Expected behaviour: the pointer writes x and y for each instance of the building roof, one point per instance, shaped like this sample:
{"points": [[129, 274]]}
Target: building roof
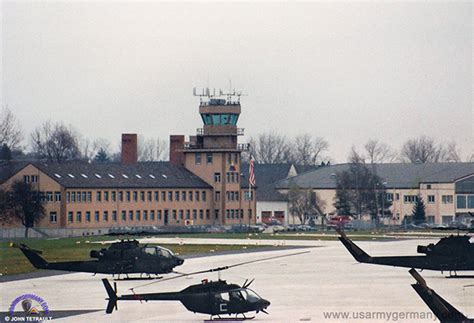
{"points": [[8, 169], [116, 175], [397, 175], [265, 176]]}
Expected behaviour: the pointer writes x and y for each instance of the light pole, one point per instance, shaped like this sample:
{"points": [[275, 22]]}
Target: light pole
{"points": [[383, 200]]}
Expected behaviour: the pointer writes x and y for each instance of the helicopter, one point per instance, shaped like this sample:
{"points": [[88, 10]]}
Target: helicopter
{"points": [[444, 311], [123, 257], [214, 298], [451, 253]]}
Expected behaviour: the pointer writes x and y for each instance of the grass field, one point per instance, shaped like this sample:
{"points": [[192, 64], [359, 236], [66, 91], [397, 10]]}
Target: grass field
{"points": [[69, 249]]}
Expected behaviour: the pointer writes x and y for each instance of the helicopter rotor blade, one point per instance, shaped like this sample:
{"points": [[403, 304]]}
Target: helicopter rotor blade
{"points": [[218, 269], [264, 311]]}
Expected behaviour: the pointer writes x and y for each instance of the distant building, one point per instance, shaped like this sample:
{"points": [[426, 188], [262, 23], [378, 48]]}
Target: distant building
{"points": [[202, 184], [446, 188]]}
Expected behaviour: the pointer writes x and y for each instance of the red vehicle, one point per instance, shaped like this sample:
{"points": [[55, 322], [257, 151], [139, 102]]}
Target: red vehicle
{"points": [[339, 221]]}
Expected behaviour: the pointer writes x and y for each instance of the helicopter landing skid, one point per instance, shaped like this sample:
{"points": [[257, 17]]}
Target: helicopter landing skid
{"points": [[230, 319], [460, 276], [137, 278]]}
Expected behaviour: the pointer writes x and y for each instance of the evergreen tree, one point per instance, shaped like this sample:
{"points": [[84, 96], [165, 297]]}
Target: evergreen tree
{"points": [[101, 156], [5, 153], [418, 213]]}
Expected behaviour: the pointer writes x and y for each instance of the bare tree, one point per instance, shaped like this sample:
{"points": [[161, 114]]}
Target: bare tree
{"points": [[452, 153], [270, 148], [151, 149], [304, 204], [56, 142], [423, 150], [307, 150], [378, 152], [11, 133]]}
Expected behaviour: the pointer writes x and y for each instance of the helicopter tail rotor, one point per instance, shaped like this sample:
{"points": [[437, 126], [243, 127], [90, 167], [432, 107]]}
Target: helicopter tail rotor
{"points": [[112, 293]]}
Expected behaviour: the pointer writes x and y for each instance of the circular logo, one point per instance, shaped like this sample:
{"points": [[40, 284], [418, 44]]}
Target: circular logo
{"points": [[30, 304]]}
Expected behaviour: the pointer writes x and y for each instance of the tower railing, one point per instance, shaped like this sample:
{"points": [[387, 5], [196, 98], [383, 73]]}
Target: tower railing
{"points": [[239, 132]]}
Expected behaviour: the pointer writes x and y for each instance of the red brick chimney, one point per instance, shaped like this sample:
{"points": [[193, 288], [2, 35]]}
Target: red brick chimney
{"points": [[176, 150], [129, 148]]}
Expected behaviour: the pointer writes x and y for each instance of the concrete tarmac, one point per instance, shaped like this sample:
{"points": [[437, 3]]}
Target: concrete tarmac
{"points": [[325, 285]]}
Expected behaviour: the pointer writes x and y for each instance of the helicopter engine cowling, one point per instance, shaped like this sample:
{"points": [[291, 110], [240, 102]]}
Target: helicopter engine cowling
{"points": [[425, 249]]}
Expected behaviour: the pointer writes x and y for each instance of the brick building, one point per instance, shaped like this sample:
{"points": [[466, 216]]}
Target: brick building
{"points": [[202, 184]]}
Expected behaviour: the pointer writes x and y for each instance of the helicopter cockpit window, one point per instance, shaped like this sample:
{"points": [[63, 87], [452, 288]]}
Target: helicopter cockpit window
{"points": [[164, 253], [150, 250], [236, 295], [250, 295], [224, 296]]}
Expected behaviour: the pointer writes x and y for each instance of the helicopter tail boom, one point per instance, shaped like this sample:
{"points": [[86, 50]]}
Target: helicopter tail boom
{"points": [[359, 254], [33, 255]]}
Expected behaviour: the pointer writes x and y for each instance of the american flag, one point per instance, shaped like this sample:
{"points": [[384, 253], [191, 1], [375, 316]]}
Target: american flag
{"points": [[251, 173]]}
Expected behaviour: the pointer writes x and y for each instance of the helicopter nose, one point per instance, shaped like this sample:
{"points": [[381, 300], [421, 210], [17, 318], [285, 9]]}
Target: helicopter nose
{"points": [[179, 261], [265, 303]]}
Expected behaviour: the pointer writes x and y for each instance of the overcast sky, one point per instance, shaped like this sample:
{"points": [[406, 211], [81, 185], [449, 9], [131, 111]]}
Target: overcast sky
{"points": [[346, 72]]}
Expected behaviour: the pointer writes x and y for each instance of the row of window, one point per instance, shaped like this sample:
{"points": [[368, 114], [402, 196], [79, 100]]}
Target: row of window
{"points": [[445, 199], [232, 158], [137, 215], [231, 177], [235, 213], [30, 178], [128, 196]]}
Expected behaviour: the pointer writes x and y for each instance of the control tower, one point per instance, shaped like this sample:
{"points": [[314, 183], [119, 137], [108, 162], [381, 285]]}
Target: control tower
{"points": [[214, 154]]}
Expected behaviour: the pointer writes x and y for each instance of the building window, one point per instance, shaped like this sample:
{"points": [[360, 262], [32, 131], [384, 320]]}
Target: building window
{"points": [[106, 216], [170, 196], [124, 216], [98, 196], [197, 158], [135, 196], [34, 178], [431, 198], [78, 216], [156, 196], [142, 196], [208, 212], [217, 196], [461, 201], [181, 214], [183, 195], [96, 216], [201, 214], [194, 214], [229, 158], [227, 177], [26, 178], [430, 219], [236, 158], [176, 195], [428, 186], [130, 215], [227, 214], [79, 198], [57, 196], [397, 196], [152, 215], [145, 215], [209, 158], [470, 201], [88, 216], [84, 197], [49, 196], [73, 197], [389, 196], [68, 197], [114, 216], [127, 196], [447, 199], [217, 177], [174, 214], [159, 214], [138, 215], [446, 219], [197, 195], [188, 214], [203, 196], [106, 196], [89, 196], [191, 196], [216, 214], [120, 196], [410, 198], [163, 196], [113, 196], [148, 194], [70, 216]]}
